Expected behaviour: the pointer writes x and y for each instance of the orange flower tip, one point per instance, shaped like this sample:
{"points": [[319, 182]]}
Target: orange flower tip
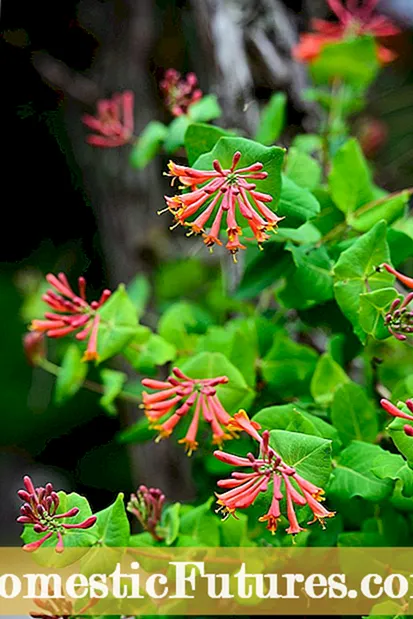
{"points": [[190, 446], [90, 355], [162, 433]]}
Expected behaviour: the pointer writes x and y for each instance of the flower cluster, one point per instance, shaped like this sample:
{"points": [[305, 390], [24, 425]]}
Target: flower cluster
{"points": [[71, 312], [147, 505], [396, 412], [180, 92], [114, 122], [40, 510], [354, 21], [399, 320], [59, 608], [218, 193], [197, 394], [268, 468]]}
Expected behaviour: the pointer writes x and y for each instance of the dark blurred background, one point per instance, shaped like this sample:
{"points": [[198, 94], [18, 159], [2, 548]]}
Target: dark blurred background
{"points": [[70, 207]]}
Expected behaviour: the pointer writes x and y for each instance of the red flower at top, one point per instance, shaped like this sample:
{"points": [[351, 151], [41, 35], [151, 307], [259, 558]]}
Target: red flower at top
{"points": [[114, 122], [71, 313], [223, 192], [267, 469], [354, 20], [180, 92]]}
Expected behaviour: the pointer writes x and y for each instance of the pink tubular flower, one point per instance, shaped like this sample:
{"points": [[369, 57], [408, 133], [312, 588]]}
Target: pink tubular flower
{"points": [[396, 412], [407, 281], [147, 505], [222, 194], [187, 393], [34, 347], [114, 122], [71, 312], [267, 469], [180, 92], [399, 320], [40, 510], [354, 20]]}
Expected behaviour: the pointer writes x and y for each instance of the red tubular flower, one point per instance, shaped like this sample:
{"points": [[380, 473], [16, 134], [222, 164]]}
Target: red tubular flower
{"points": [[354, 21], [180, 92], [147, 505], [199, 394], [267, 469], [34, 347], [222, 193], [71, 313], [40, 510], [407, 281], [396, 412], [114, 122]]}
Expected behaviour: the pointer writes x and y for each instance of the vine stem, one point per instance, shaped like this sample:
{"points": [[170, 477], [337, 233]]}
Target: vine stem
{"points": [[55, 370]]}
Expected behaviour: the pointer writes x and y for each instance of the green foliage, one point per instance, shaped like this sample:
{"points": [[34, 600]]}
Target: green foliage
{"points": [[119, 324], [272, 120], [71, 375], [112, 382], [112, 524], [148, 144], [353, 415]]}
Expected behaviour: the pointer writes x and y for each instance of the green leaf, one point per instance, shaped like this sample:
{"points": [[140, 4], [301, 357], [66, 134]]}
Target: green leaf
{"points": [[390, 209], [113, 382], [297, 204], [148, 144], [304, 235], [139, 291], [154, 351], [309, 143], [289, 417], [327, 378], [179, 324], [272, 121], [403, 442], [234, 532], [176, 134], [354, 61], [119, 324], [400, 245], [170, 522], [288, 366], [373, 306], [311, 282], [236, 393], [394, 467], [200, 139], [205, 109], [139, 432], [309, 455], [355, 273], [304, 170], [113, 525], [264, 270], [252, 152], [202, 525], [350, 180], [353, 476], [71, 375], [353, 414]]}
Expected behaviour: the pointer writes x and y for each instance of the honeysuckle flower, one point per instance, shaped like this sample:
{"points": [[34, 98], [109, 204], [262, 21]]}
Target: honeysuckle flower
{"points": [[147, 505], [267, 470], [396, 412], [222, 194], [59, 608], [398, 319], [407, 281], [114, 122], [354, 20], [34, 347], [176, 397], [180, 92], [40, 510], [71, 313]]}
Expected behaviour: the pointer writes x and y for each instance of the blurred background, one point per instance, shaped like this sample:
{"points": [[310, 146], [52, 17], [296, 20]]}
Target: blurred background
{"points": [[70, 207]]}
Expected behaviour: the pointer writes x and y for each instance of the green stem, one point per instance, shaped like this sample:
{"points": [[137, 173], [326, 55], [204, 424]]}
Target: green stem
{"points": [[52, 368]]}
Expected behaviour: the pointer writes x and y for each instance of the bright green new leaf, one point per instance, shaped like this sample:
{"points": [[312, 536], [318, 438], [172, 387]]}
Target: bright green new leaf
{"points": [[327, 378], [113, 382], [145, 356], [139, 291], [176, 133], [170, 522], [350, 180], [118, 324], [288, 366], [272, 120], [356, 273], [297, 204], [180, 324], [201, 138], [303, 169], [393, 466], [353, 475], [71, 375], [353, 414], [148, 144], [113, 524], [204, 110], [202, 525], [373, 306], [403, 442], [389, 209]]}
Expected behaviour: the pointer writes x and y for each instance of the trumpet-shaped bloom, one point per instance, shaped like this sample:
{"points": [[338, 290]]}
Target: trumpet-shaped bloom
{"points": [[264, 472], [354, 20], [147, 505], [113, 123], [71, 313], [40, 510], [396, 412], [222, 196], [399, 319], [180, 92], [178, 397]]}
